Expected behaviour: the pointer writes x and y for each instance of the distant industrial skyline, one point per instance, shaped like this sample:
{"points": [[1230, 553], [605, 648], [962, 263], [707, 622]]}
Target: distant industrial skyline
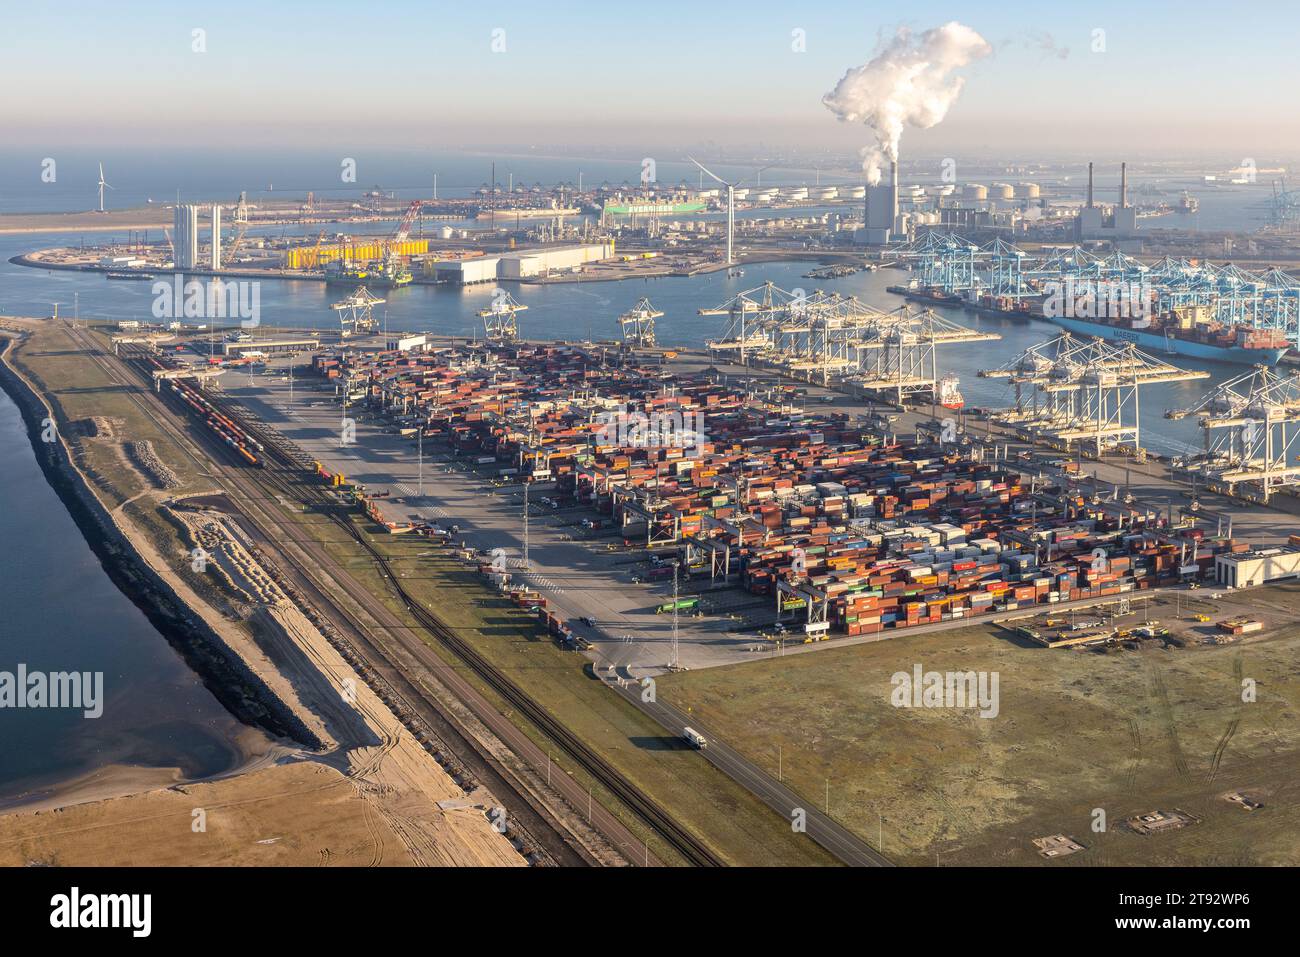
{"points": [[407, 75]]}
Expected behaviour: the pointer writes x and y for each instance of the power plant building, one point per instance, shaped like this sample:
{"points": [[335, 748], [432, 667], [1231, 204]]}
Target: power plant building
{"points": [[186, 230], [881, 211], [1094, 222]]}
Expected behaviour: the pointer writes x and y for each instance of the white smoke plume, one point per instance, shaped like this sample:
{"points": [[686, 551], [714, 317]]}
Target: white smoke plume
{"points": [[908, 83]]}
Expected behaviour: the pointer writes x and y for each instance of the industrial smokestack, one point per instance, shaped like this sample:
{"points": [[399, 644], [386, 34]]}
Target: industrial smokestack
{"points": [[1123, 185], [1090, 186], [893, 192]]}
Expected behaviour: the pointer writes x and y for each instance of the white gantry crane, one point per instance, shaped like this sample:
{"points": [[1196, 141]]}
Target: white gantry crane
{"points": [[638, 324], [499, 319], [1082, 391], [356, 312], [829, 336], [1251, 425], [751, 315]]}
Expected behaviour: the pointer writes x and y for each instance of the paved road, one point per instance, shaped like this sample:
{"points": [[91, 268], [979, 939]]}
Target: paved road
{"points": [[831, 835]]}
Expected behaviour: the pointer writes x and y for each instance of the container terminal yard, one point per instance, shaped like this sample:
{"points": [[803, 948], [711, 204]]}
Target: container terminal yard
{"points": [[656, 512], [510, 467], [774, 520], [675, 466], [809, 480]]}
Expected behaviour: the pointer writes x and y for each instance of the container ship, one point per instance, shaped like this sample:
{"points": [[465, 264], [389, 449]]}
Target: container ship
{"points": [[653, 207], [526, 212], [1182, 334], [1188, 331], [986, 304]]}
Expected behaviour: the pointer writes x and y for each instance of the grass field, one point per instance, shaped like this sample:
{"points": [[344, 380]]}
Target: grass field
{"points": [[1127, 732], [732, 821]]}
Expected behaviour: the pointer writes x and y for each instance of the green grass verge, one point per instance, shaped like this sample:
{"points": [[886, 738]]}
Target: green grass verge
{"points": [[1126, 732]]}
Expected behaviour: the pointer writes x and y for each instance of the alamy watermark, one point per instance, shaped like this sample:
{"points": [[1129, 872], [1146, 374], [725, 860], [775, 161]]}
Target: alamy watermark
{"points": [[215, 299], [676, 429], [54, 689], [1097, 299], [947, 689], [75, 909]]}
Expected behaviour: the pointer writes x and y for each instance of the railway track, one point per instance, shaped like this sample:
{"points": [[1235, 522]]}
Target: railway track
{"points": [[375, 661], [284, 467], [280, 455]]}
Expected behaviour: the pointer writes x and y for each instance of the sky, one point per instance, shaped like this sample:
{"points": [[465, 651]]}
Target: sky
{"points": [[1189, 77]]}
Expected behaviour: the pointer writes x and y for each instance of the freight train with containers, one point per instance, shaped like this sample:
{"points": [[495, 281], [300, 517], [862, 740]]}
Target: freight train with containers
{"points": [[243, 445]]}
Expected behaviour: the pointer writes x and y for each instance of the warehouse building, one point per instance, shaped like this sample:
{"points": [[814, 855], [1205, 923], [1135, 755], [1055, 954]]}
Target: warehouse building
{"points": [[1243, 569], [412, 343], [466, 272], [521, 265]]}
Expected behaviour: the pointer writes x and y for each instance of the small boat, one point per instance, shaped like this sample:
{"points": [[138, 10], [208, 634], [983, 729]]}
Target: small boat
{"points": [[950, 396], [735, 272], [136, 276]]}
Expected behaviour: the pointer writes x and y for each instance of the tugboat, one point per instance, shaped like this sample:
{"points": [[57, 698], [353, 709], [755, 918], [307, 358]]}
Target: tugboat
{"points": [[950, 396]]}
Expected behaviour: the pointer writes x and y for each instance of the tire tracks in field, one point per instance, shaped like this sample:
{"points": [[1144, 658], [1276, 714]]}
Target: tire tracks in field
{"points": [[1161, 693], [1135, 734], [1221, 748]]}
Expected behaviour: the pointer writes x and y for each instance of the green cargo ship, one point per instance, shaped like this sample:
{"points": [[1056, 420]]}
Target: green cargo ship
{"points": [[655, 207]]}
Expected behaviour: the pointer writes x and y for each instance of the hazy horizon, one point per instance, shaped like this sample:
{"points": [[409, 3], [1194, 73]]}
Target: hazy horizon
{"points": [[408, 76]]}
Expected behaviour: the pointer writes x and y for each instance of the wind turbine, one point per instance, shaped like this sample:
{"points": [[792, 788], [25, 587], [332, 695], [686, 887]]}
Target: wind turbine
{"points": [[731, 204], [102, 184]]}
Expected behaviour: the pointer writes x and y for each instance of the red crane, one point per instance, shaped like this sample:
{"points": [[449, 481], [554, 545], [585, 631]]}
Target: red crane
{"points": [[404, 226]]}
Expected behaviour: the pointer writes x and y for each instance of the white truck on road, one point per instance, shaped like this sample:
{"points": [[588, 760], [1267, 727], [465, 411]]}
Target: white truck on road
{"points": [[696, 739]]}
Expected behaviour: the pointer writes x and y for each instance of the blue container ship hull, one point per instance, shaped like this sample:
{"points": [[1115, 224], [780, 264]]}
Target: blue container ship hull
{"points": [[1153, 342]]}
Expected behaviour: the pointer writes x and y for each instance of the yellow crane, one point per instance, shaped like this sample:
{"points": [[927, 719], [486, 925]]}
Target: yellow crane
{"points": [[313, 260]]}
